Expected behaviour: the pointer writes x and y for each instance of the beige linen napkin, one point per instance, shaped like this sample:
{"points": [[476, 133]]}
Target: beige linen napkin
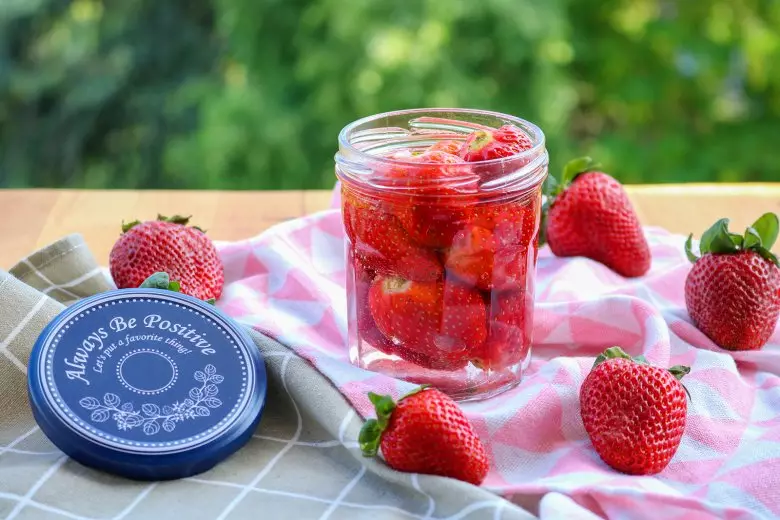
{"points": [[302, 463]]}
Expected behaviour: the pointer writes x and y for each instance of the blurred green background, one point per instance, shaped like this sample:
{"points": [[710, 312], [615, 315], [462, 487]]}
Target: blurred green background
{"points": [[250, 94]]}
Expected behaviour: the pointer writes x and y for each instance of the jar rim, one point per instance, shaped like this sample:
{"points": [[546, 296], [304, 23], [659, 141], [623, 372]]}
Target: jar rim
{"points": [[498, 177], [535, 134]]}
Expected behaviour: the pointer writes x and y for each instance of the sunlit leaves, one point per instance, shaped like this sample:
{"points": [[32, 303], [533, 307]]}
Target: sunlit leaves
{"points": [[248, 94]]}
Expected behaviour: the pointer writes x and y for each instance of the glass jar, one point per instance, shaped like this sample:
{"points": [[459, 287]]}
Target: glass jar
{"points": [[441, 253]]}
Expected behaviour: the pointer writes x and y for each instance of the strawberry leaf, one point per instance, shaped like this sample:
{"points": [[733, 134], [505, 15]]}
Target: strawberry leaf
{"points": [[689, 249], [162, 281], [211, 301], [130, 225], [766, 253], [737, 240], [718, 227], [371, 431], [384, 406], [176, 219], [718, 240], [369, 437], [723, 244], [767, 228], [751, 239], [611, 353], [158, 281], [680, 371], [575, 167]]}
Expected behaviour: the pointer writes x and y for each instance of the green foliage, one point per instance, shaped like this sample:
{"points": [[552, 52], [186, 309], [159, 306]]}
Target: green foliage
{"points": [[251, 94]]}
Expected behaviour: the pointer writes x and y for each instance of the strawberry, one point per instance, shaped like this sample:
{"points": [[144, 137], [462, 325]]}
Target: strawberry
{"points": [[476, 258], [377, 340], [439, 320], [448, 146], [633, 412], [733, 291], [167, 245], [425, 432], [509, 322], [437, 205], [514, 222], [358, 285], [484, 145], [381, 244], [590, 215], [369, 333]]}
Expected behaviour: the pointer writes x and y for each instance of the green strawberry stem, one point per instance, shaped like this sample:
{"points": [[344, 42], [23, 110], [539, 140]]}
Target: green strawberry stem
{"points": [[678, 371], [616, 353], [130, 225], [176, 219], [371, 433], [163, 281], [481, 139], [553, 187], [718, 240]]}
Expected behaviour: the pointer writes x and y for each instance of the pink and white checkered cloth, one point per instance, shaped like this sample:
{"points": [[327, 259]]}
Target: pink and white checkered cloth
{"points": [[289, 283]]}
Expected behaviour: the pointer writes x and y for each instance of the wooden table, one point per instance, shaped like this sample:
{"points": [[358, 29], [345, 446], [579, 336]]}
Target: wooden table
{"points": [[34, 218]]}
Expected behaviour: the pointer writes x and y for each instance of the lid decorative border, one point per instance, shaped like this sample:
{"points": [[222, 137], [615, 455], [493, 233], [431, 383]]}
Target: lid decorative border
{"points": [[198, 402]]}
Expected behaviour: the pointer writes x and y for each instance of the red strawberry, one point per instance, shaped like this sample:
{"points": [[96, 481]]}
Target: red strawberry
{"points": [[590, 215], [634, 413], [381, 244], [448, 362], [359, 284], [484, 145], [733, 291], [438, 320], [425, 170], [438, 205], [448, 146], [369, 333], [167, 245], [510, 321], [475, 258], [514, 222], [425, 432]]}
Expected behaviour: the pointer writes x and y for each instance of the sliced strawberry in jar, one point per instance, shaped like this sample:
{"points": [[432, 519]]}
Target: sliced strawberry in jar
{"points": [[433, 226], [359, 287], [377, 340], [513, 222], [448, 146], [442, 321], [484, 145], [439, 202], [476, 258], [381, 244], [509, 338], [470, 258]]}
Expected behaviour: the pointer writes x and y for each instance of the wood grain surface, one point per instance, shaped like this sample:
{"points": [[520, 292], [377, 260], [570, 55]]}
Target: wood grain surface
{"points": [[35, 218]]}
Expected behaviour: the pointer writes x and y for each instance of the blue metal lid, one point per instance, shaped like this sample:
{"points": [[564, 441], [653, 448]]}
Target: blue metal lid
{"points": [[146, 383]]}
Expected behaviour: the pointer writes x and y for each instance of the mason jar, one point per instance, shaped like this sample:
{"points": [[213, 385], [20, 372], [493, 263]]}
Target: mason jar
{"points": [[441, 246]]}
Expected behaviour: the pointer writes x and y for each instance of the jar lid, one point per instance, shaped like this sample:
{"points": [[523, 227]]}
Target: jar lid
{"points": [[146, 383]]}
